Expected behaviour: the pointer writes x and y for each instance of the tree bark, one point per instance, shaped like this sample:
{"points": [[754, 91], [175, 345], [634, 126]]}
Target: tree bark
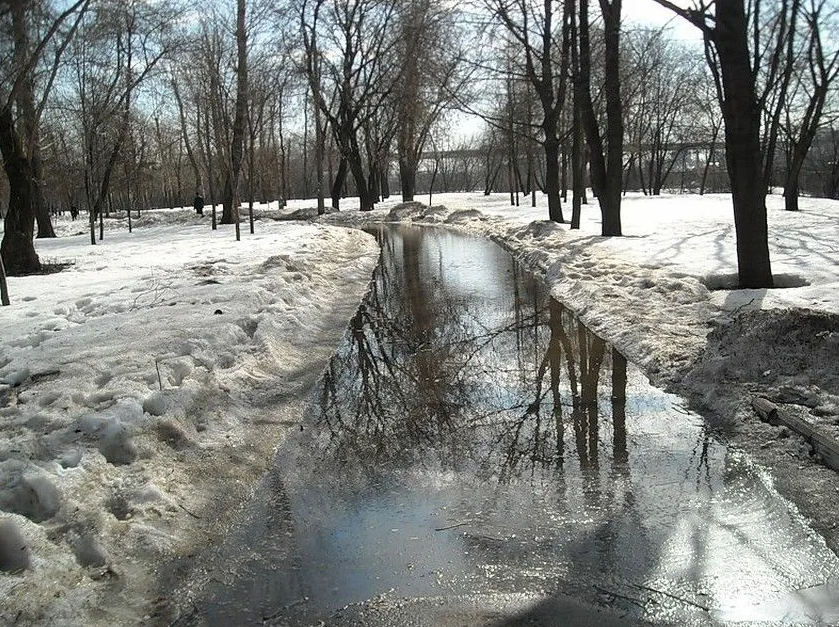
{"points": [[552, 180], [709, 160], [18, 247], [742, 141], [408, 179], [338, 183]]}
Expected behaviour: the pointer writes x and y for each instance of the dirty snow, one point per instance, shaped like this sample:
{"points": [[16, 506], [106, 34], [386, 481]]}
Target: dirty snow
{"points": [[145, 387]]}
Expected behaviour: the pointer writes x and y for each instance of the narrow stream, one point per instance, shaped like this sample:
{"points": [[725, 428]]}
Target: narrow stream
{"points": [[475, 456]]}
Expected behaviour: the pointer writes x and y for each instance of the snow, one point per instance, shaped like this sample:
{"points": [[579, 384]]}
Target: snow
{"points": [[144, 390], [145, 387]]}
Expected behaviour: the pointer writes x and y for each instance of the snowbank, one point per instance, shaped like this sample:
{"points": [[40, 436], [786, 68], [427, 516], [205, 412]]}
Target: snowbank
{"points": [[142, 392]]}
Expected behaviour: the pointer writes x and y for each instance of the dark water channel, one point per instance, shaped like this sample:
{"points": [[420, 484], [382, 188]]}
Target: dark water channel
{"points": [[475, 456]]}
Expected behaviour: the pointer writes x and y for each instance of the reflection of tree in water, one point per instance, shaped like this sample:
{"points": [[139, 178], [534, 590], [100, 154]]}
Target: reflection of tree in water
{"points": [[399, 381], [430, 374], [571, 364]]}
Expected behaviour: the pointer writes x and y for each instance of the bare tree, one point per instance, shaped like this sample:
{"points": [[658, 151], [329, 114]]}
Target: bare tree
{"points": [[775, 48], [606, 166], [118, 49], [309, 23], [725, 31], [24, 90], [433, 75], [662, 104], [357, 78], [804, 115], [544, 37], [230, 213]]}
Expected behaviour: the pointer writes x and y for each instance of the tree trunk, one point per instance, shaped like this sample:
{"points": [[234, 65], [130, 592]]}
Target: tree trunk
{"points": [[577, 165], [42, 214], [357, 171], [552, 182], [709, 160], [18, 247], [742, 141], [193, 162], [611, 208], [230, 213], [338, 183], [408, 179], [320, 143], [606, 169], [384, 184], [577, 168], [791, 192]]}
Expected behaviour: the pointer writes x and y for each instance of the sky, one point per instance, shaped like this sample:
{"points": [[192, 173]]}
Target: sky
{"points": [[649, 12]]}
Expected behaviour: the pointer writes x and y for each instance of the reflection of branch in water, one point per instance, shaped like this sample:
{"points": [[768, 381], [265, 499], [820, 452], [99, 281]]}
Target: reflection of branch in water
{"points": [[413, 378], [701, 455]]}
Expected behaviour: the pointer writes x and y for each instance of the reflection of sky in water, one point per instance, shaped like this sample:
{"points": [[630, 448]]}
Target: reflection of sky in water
{"points": [[429, 488], [373, 539], [470, 271]]}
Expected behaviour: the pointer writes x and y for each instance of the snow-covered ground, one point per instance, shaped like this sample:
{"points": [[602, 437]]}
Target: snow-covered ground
{"points": [[144, 389], [146, 385]]}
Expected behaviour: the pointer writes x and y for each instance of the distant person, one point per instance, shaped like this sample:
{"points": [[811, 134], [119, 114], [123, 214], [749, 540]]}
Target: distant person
{"points": [[198, 203], [74, 212]]}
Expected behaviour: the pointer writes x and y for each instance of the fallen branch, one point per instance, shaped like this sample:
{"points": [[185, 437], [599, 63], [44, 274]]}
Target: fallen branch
{"points": [[460, 524], [193, 514], [823, 443], [672, 596], [159, 379]]}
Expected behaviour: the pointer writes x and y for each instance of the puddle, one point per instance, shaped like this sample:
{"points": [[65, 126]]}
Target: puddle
{"points": [[472, 445]]}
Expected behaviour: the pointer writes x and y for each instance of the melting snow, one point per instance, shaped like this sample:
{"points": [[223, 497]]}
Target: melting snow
{"points": [[144, 388]]}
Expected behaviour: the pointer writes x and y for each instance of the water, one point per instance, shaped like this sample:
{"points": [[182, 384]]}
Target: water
{"points": [[473, 455]]}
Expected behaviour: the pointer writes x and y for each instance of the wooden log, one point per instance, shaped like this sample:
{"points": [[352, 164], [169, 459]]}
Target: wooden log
{"points": [[824, 445], [766, 409]]}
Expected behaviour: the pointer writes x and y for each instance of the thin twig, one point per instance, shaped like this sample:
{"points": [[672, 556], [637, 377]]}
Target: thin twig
{"points": [[737, 310], [672, 596], [680, 409], [193, 514], [633, 600], [159, 380], [460, 524]]}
